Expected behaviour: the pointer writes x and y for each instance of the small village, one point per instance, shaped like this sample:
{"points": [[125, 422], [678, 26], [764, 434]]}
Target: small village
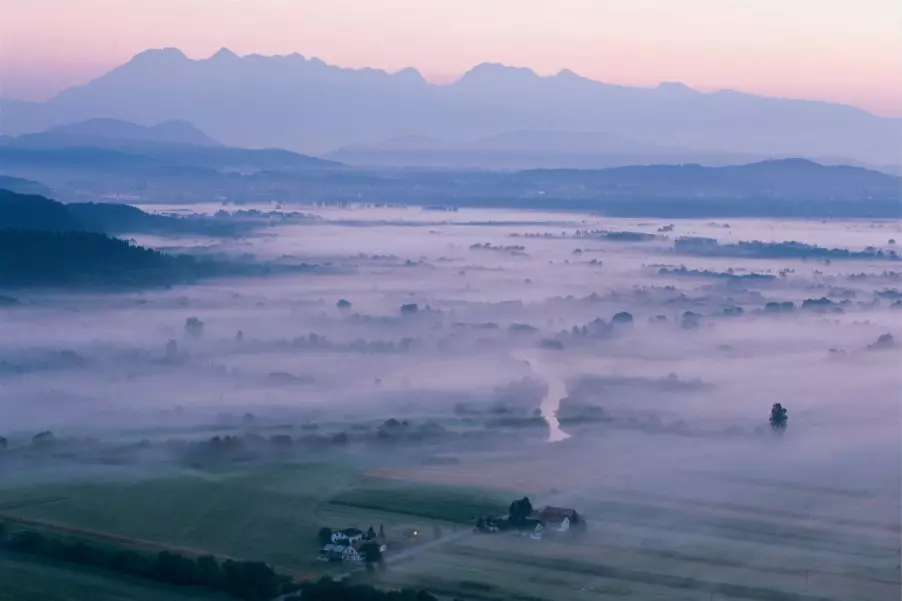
{"points": [[353, 545]]}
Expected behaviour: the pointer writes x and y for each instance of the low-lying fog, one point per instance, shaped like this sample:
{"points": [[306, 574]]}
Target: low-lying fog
{"points": [[502, 300]]}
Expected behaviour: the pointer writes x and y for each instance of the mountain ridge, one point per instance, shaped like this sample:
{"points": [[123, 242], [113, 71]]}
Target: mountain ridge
{"points": [[310, 106]]}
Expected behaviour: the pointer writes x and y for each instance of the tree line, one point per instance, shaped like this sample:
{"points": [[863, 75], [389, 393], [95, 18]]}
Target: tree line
{"points": [[247, 580]]}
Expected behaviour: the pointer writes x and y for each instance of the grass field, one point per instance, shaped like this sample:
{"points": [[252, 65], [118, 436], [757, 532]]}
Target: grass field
{"points": [[25, 579], [271, 513], [677, 533], [703, 536], [649, 546]]}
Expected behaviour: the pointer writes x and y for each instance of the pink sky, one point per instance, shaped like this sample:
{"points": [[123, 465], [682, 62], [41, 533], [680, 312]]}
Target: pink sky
{"points": [[841, 50]]}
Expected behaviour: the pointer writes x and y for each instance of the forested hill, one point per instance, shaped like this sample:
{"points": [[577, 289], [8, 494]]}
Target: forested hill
{"points": [[35, 212], [47, 243], [75, 258]]}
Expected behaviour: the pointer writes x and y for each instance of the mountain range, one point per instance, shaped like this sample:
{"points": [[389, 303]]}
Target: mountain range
{"points": [[114, 133], [112, 144], [529, 149], [309, 106]]}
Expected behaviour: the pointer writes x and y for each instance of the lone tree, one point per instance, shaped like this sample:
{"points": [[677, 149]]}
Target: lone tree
{"points": [[172, 350], [42, 438], [343, 304], [372, 554], [622, 318], [520, 510], [778, 417], [194, 327], [324, 535]]}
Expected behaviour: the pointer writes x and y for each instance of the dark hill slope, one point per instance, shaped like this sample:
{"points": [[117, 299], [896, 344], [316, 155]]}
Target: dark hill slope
{"points": [[76, 259], [35, 212]]}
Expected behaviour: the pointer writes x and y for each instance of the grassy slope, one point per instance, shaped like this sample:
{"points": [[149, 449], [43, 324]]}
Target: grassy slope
{"points": [[25, 579]]}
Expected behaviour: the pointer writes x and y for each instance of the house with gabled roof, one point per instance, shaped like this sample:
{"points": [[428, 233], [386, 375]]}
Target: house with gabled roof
{"points": [[557, 519]]}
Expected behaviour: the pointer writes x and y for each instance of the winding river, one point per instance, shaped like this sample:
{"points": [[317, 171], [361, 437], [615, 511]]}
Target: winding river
{"points": [[557, 391]]}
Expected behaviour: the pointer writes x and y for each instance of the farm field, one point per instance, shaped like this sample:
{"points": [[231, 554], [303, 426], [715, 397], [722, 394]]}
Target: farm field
{"points": [[204, 513], [668, 537], [27, 579]]}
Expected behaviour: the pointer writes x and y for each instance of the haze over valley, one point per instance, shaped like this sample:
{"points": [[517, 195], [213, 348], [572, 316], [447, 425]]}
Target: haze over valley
{"points": [[273, 329]]}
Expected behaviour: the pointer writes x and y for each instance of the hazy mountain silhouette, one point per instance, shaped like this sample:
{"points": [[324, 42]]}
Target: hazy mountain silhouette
{"points": [[114, 144], [22, 186], [529, 149], [37, 212], [307, 105], [105, 132]]}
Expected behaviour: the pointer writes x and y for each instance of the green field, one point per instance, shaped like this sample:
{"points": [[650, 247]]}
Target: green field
{"points": [[23, 578], [645, 546], [420, 501], [270, 513], [640, 544]]}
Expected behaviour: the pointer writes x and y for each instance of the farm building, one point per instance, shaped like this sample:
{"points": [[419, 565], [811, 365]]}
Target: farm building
{"points": [[347, 536], [350, 552], [558, 519], [333, 552]]}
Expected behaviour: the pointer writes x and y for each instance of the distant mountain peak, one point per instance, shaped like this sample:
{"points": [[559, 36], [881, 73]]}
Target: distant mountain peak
{"points": [[675, 87], [224, 54], [568, 74], [172, 131], [788, 163], [489, 70], [156, 56], [410, 74]]}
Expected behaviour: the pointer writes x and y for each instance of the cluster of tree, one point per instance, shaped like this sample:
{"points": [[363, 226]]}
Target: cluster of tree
{"points": [[779, 307], [326, 589], [266, 216], [623, 386], [319, 342], [820, 304], [249, 580], [41, 361], [511, 248], [887, 274], [194, 327], [517, 518], [883, 342], [888, 293], [779, 417], [616, 236], [250, 447], [778, 250], [87, 258], [690, 320], [519, 511], [393, 430], [729, 274]]}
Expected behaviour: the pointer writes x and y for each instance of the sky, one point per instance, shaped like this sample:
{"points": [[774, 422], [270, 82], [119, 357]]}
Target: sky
{"points": [[839, 50]]}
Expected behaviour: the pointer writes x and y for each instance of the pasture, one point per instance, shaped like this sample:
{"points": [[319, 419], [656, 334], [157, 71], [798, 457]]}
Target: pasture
{"points": [[27, 579], [267, 513]]}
